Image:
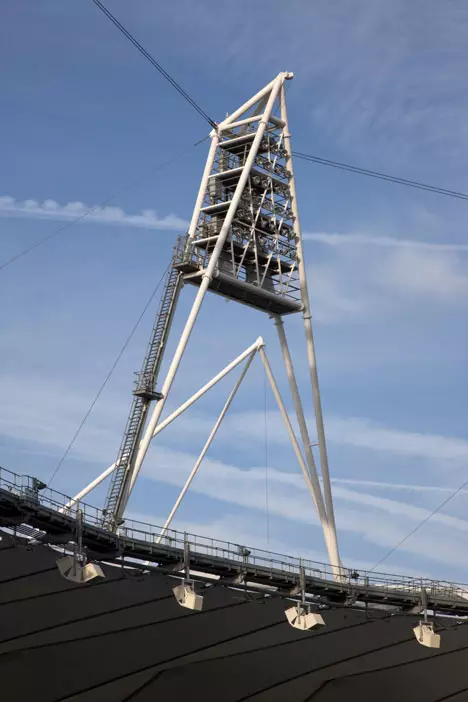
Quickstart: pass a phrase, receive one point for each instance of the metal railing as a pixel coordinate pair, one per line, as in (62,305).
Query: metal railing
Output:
(285,284)
(32,490)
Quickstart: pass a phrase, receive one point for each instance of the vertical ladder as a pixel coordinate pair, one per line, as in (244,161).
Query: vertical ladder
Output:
(144,394)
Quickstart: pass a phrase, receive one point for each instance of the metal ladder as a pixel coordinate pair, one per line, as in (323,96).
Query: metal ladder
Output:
(144,394)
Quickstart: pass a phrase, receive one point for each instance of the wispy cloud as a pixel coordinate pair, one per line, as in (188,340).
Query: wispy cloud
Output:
(411,98)
(149,219)
(364,433)
(288,497)
(358,277)
(331,296)
(96,214)
(53,417)
(356,239)
(359,432)
(439,276)
(395,103)
(407,487)
(378,520)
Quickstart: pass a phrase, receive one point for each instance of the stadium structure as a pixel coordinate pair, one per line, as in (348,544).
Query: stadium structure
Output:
(95,606)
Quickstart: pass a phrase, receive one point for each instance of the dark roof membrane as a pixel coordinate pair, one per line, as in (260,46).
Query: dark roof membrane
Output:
(125,637)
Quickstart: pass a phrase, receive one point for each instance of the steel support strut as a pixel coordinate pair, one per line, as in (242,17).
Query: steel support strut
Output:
(307,317)
(329,541)
(206,447)
(183,407)
(316,496)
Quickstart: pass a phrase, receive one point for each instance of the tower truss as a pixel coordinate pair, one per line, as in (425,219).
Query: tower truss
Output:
(257,262)
(244,242)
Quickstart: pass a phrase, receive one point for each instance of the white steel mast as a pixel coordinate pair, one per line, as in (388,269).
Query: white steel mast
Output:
(244,242)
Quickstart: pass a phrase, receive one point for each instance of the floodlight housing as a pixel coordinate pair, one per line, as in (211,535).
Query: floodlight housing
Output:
(425,635)
(187,597)
(304,620)
(71,569)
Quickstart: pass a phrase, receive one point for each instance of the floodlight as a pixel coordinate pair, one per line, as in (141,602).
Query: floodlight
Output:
(301,618)
(186,596)
(71,569)
(425,635)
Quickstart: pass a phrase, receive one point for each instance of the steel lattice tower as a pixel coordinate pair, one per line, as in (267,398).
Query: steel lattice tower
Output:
(244,242)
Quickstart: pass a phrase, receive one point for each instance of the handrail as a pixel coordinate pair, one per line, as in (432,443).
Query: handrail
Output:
(30,488)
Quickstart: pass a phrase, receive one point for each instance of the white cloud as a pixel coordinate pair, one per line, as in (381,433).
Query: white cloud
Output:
(52,415)
(364,433)
(330,298)
(374,519)
(392,81)
(397,508)
(222,481)
(355,239)
(438,275)
(351,431)
(358,278)
(379,88)
(369,484)
(379,521)
(96,214)
(53,418)
(288,497)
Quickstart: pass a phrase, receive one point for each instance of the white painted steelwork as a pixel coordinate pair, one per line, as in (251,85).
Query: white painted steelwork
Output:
(244,242)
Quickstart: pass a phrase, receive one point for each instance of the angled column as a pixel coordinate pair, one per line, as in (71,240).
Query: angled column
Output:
(244,243)
(330,536)
(307,317)
(313,486)
(205,448)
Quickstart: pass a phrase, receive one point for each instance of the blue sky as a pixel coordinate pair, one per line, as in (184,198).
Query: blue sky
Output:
(380,85)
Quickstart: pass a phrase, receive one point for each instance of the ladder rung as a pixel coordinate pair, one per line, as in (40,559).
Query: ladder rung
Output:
(147,378)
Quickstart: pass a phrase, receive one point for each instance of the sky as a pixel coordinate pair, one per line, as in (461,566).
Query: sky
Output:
(85,121)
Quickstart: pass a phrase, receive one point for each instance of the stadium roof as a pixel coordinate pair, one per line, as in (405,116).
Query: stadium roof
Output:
(126,638)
